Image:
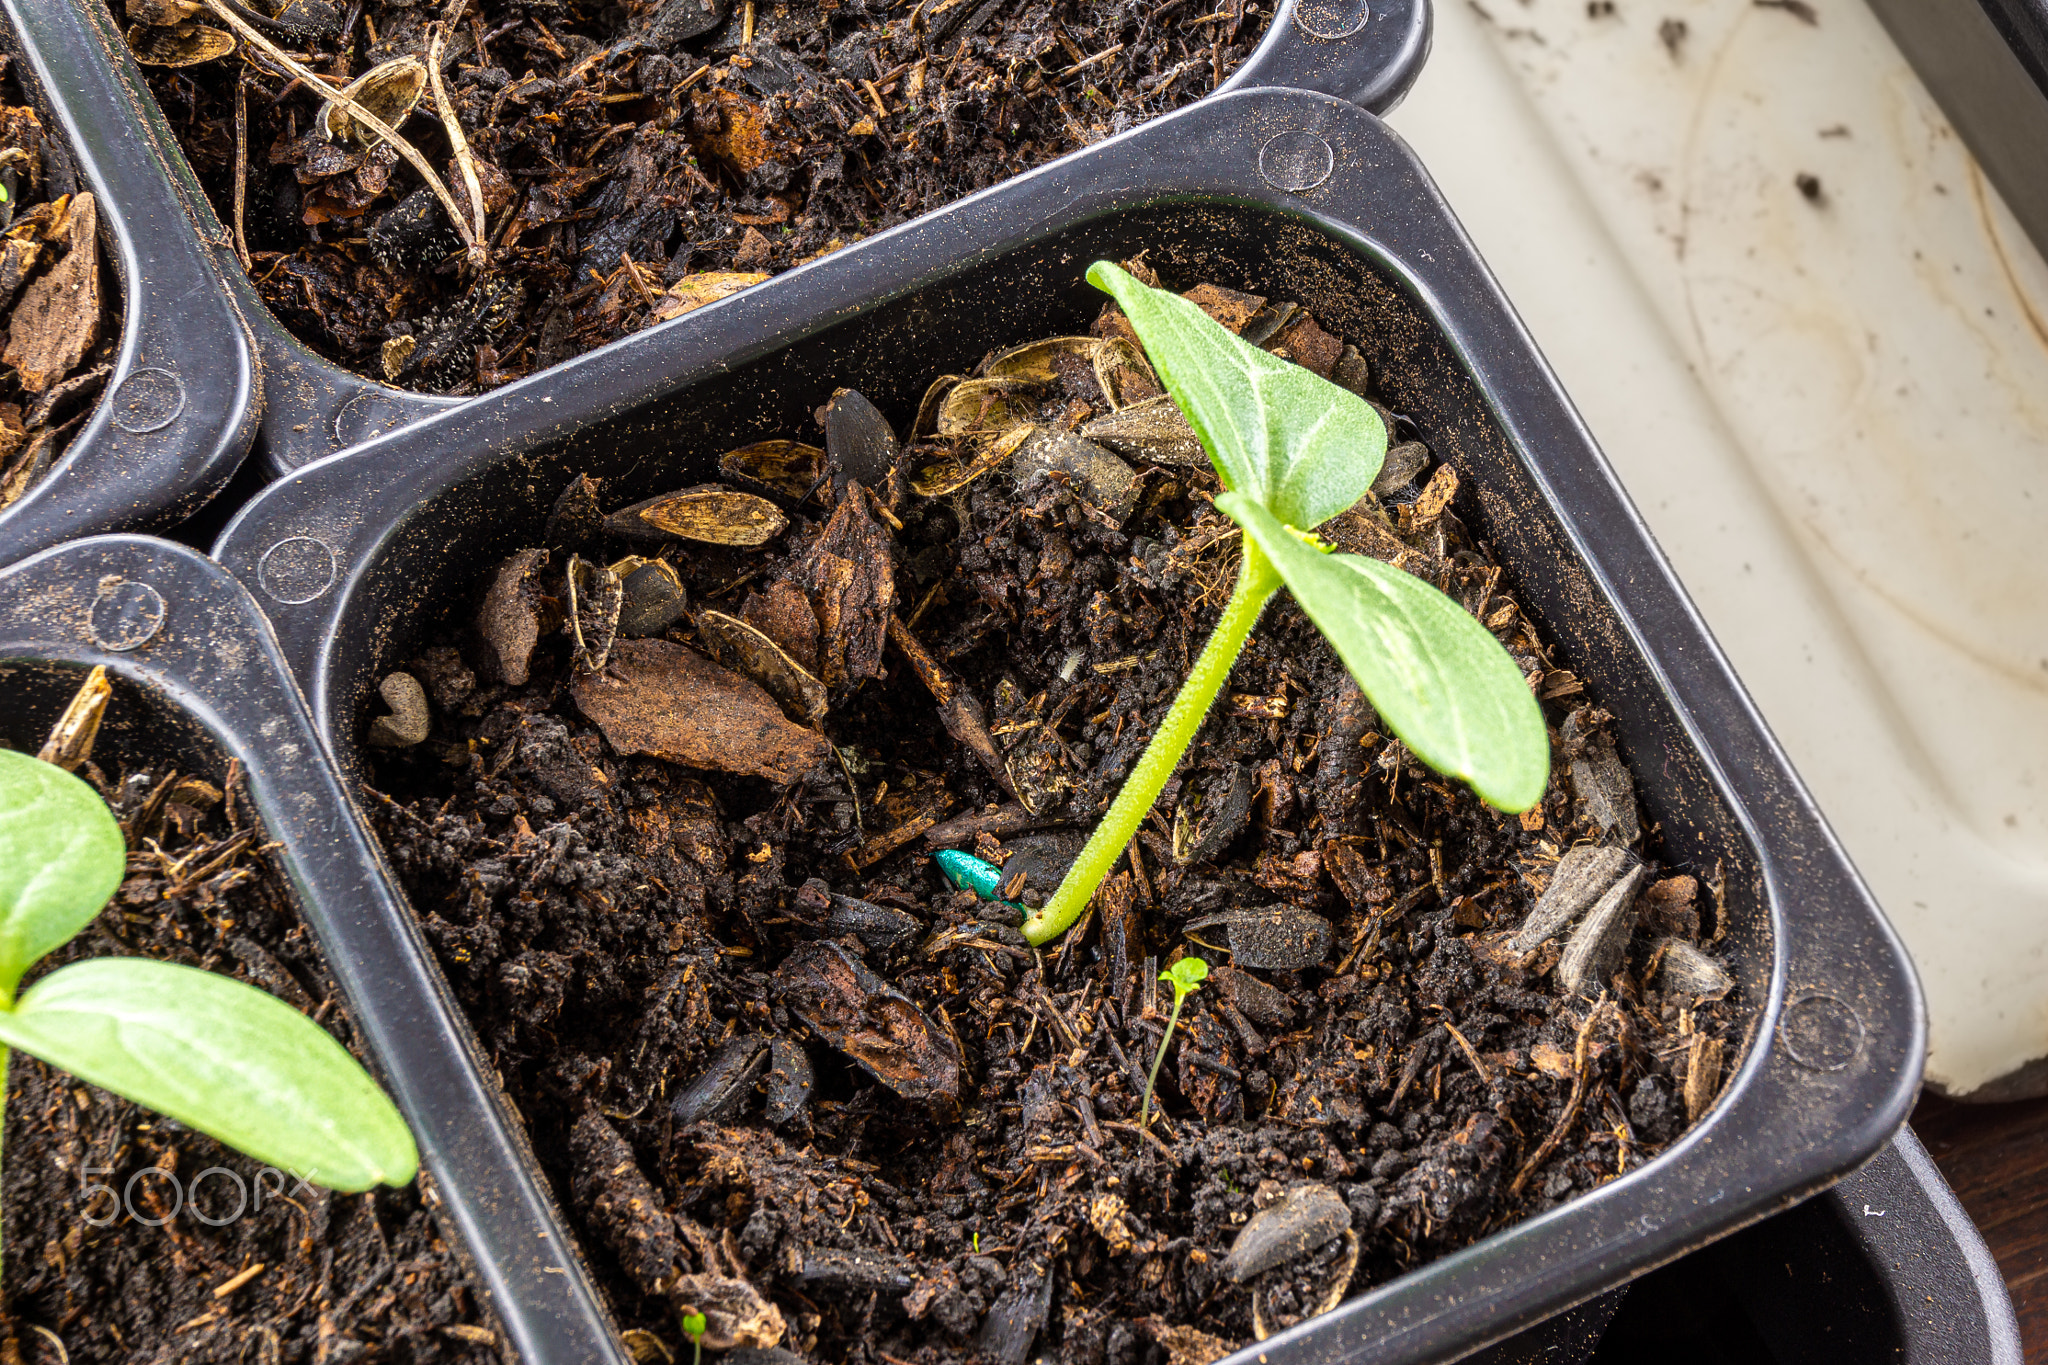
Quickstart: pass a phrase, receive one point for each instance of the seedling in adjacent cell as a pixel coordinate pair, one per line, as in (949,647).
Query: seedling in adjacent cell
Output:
(213,1053)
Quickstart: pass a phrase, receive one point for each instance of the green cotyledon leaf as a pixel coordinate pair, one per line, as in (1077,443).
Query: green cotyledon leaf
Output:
(61,857)
(1436,676)
(220,1057)
(1301,446)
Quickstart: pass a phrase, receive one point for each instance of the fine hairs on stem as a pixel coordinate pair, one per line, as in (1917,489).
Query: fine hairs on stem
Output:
(1185,976)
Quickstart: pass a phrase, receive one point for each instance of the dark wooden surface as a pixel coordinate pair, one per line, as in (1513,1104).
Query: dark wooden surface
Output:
(1996,1158)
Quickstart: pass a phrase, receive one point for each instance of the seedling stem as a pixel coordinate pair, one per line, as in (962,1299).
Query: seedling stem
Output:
(1184,976)
(1257,581)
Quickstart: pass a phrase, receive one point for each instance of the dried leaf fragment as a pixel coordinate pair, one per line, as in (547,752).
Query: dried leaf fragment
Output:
(660,698)
(692,292)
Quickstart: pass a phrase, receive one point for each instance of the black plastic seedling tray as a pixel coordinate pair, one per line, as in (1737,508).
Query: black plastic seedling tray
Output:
(210,685)
(1986,63)
(357,558)
(1884,1267)
(180,409)
(1367,51)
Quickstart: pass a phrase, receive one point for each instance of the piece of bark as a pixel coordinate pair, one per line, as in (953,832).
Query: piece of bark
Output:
(18,258)
(58,318)
(31,463)
(851,580)
(616,1197)
(510,618)
(1002,820)
(781,612)
(872,1022)
(659,698)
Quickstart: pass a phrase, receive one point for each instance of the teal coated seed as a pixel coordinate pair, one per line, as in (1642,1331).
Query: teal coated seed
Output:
(970,873)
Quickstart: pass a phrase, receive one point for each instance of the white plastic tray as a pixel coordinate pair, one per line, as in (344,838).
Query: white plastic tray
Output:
(1829,402)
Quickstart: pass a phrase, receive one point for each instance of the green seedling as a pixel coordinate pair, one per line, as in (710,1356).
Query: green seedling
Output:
(1294,450)
(693,1328)
(1185,976)
(218,1056)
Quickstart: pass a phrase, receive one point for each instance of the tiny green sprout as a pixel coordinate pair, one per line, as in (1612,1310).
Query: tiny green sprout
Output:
(213,1053)
(1293,450)
(1185,976)
(693,1328)
(977,1244)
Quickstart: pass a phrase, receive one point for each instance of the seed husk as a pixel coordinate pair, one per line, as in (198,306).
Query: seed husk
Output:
(390,91)
(186,44)
(788,469)
(513,616)
(744,649)
(1155,429)
(1034,359)
(966,459)
(726,1084)
(651,596)
(1335,1287)
(1302,1219)
(1685,971)
(986,405)
(1403,462)
(1100,479)
(409,721)
(735,1314)
(1594,951)
(692,292)
(710,513)
(1123,375)
(1207,821)
(1575,883)
(859,444)
(927,422)
(595,598)
(162,13)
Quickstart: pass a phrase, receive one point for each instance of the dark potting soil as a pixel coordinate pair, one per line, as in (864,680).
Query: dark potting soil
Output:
(623,147)
(131,1238)
(772,1063)
(58,329)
